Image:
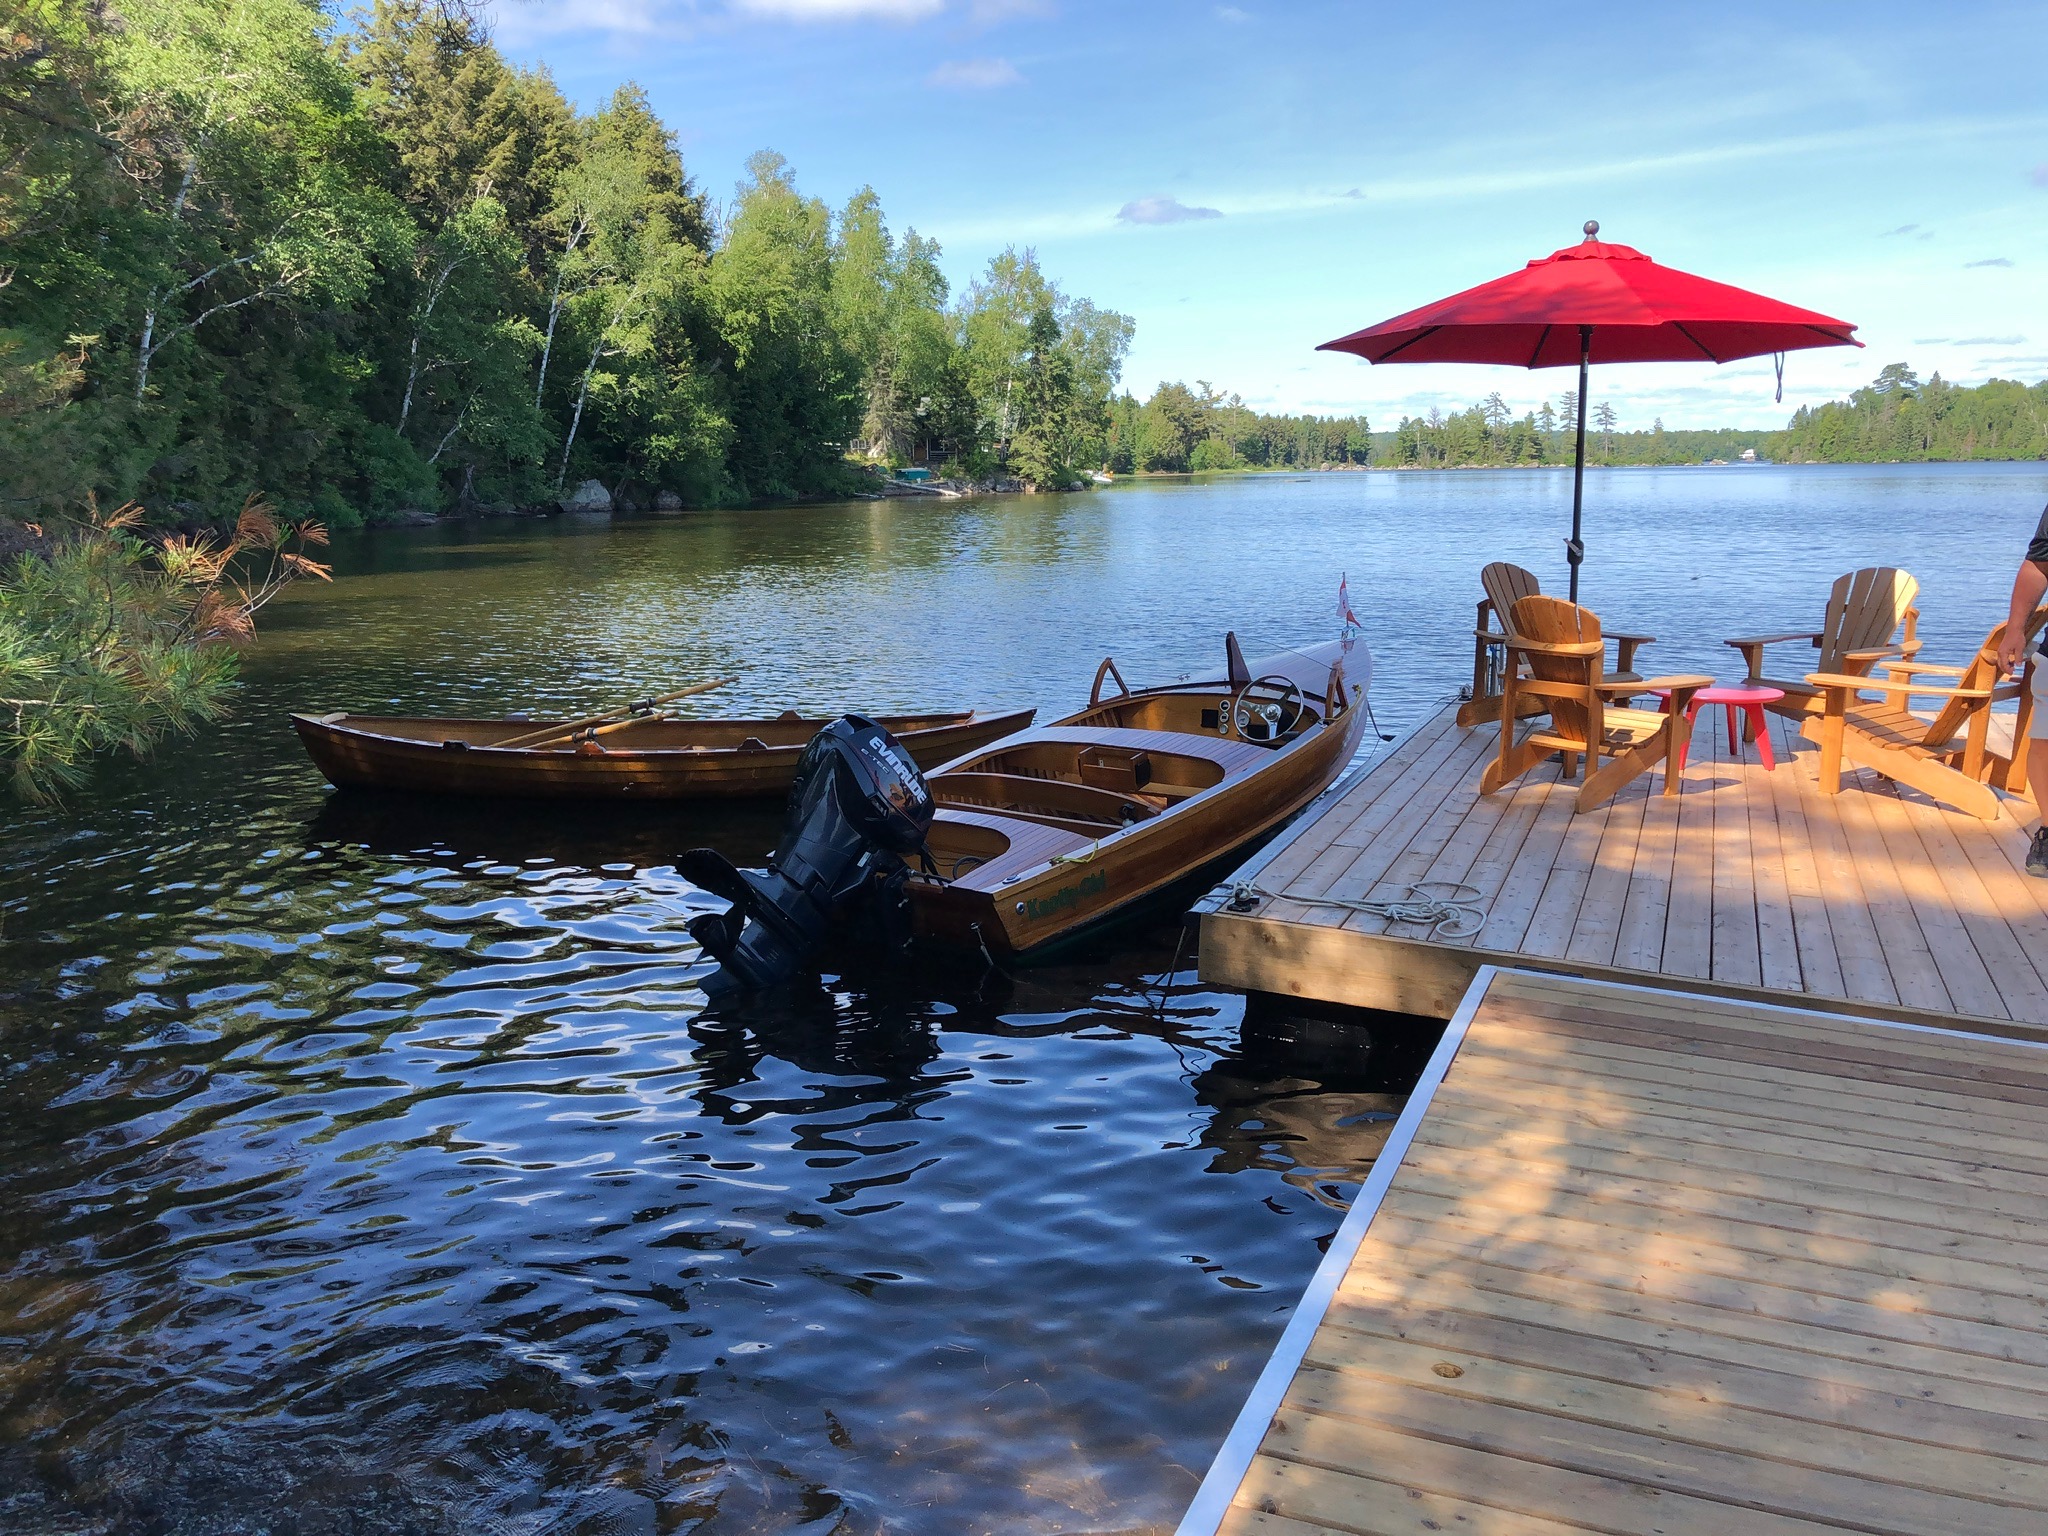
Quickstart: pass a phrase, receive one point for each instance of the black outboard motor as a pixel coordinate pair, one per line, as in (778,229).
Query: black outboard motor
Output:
(858,807)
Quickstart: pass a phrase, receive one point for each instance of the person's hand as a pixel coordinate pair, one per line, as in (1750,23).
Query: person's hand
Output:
(2010,646)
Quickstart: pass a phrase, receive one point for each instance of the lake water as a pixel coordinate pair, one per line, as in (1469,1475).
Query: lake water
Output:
(379,1167)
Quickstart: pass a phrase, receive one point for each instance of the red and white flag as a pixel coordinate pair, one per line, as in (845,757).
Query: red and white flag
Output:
(1345,617)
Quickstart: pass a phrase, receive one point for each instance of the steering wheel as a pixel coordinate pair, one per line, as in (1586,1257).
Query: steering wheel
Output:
(1266,719)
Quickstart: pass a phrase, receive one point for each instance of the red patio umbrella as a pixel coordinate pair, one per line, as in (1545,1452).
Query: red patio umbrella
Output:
(1594,302)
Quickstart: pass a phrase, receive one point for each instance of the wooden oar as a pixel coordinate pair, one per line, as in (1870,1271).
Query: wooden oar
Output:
(550,733)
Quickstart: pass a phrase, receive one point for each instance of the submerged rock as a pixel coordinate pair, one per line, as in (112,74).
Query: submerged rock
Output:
(668,501)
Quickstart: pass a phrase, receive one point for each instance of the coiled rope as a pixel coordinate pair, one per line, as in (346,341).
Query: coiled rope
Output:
(1454,914)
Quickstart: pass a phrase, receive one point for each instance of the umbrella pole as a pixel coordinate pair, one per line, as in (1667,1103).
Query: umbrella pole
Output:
(1575,547)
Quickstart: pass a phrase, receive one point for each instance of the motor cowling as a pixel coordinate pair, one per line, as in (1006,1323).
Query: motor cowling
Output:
(857,809)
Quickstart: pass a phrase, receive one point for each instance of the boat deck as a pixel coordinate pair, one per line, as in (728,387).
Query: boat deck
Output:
(1749,883)
(1645,1261)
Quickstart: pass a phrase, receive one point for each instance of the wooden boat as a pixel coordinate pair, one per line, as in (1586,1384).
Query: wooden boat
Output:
(653,759)
(1056,830)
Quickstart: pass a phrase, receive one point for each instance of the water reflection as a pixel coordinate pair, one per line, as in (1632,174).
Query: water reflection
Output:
(373,1167)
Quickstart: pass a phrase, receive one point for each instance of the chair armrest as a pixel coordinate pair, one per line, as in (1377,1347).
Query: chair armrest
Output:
(1687,680)
(1489,636)
(1911,668)
(1875,653)
(1841,682)
(1622,634)
(1799,634)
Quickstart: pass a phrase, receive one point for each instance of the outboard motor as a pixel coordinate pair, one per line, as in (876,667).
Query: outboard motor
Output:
(858,808)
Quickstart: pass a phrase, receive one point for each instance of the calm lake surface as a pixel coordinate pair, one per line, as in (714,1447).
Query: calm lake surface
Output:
(380,1167)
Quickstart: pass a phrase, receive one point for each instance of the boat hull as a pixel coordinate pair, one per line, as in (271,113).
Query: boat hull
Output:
(681,760)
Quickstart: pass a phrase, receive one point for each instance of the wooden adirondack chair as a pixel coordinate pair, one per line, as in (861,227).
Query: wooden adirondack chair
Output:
(1865,611)
(1948,758)
(1505,585)
(1558,645)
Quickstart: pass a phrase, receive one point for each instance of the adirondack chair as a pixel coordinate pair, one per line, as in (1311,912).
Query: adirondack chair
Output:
(1948,758)
(1555,655)
(1505,585)
(1865,611)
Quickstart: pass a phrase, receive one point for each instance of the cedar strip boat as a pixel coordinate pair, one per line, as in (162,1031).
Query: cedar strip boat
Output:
(1056,830)
(640,760)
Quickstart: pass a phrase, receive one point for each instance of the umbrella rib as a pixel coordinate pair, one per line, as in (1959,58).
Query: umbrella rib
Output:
(1538,350)
(1679,326)
(1422,335)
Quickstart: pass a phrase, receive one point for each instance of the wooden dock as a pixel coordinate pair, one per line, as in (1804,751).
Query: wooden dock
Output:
(1644,1261)
(1749,884)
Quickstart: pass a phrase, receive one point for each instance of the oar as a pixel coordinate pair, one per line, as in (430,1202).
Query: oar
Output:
(549,733)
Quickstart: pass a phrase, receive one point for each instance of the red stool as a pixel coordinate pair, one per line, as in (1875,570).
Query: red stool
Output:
(1750,700)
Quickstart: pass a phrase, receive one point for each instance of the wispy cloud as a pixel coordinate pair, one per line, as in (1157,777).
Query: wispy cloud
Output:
(975,75)
(1163,210)
(1232,13)
(843,10)
(1467,186)
(1903,229)
(1991,261)
(2039,176)
(1969,341)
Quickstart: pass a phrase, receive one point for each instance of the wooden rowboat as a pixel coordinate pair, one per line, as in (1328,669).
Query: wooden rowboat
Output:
(1054,831)
(655,759)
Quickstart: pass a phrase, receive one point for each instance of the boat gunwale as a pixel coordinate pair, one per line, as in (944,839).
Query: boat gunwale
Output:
(344,727)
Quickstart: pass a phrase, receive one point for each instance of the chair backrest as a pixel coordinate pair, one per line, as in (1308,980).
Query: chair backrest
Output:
(1553,621)
(1865,609)
(1505,585)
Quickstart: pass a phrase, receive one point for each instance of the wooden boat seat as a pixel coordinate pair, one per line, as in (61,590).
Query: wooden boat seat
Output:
(1081,806)
(995,846)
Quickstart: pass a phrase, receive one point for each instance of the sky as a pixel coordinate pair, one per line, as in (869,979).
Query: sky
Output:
(1249,180)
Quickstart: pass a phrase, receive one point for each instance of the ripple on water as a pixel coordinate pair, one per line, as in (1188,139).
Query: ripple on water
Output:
(484,1216)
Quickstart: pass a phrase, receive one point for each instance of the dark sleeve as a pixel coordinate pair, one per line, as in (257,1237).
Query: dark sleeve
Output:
(2037,547)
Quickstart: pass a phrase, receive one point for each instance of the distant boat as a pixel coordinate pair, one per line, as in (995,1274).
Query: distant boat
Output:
(655,759)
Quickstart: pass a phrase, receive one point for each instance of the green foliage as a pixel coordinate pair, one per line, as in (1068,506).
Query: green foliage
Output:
(110,641)
(370,267)
(1181,429)
(1897,418)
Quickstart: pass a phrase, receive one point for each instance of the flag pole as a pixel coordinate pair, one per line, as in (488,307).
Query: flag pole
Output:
(1575,547)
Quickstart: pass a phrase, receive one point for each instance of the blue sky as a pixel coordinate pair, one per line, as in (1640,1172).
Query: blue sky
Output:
(1249,180)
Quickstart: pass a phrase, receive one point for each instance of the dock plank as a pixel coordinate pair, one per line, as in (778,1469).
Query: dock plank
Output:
(1575,1295)
(1750,883)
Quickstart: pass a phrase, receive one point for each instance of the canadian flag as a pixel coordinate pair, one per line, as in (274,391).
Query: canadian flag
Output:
(1345,616)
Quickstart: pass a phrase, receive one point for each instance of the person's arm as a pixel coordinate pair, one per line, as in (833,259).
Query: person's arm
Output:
(2027,590)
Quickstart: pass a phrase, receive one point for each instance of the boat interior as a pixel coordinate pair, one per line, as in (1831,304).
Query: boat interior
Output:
(1118,763)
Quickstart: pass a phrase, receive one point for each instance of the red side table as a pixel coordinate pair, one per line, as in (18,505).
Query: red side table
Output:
(1750,700)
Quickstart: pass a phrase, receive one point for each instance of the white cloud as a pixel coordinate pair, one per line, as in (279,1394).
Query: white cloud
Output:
(843,10)
(1231,13)
(975,75)
(989,13)
(1903,229)
(1991,261)
(1163,210)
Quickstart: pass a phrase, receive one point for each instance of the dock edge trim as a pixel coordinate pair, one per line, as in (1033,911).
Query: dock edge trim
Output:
(1240,1446)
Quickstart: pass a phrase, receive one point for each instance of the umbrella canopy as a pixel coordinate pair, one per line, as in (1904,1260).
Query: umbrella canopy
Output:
(1594,302)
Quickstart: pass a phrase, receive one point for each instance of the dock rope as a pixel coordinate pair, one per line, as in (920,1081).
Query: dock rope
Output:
(1455,914)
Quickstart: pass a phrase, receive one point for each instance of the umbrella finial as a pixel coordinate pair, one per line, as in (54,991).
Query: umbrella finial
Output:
(1592,229)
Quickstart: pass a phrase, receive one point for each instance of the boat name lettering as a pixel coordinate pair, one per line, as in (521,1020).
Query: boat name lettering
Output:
(1067,895)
